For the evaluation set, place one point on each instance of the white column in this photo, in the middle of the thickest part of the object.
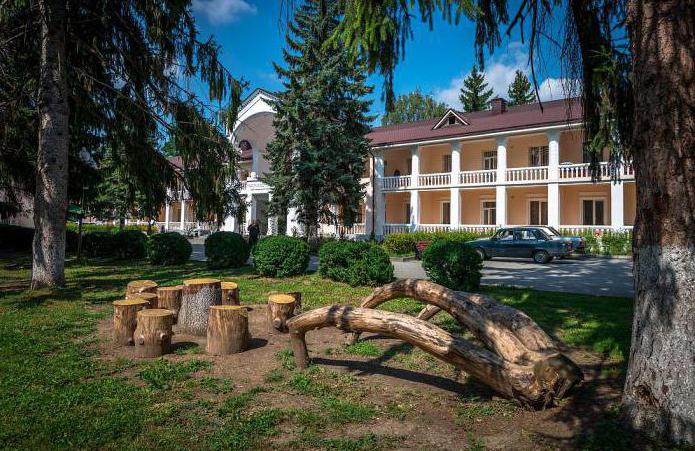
(454, 197)
(414, 209)
(501, 189)
(617, 215)
(553, 156)
(167, 208)
(272, 220)
(368, 196)
(183, 211)
(250, 210)
(415, 165)
(292, 224)
(554, 204)
(379, 200)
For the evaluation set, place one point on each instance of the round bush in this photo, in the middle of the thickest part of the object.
(98, 244)
(129, 244)
(453, 264)
(169, 248)
(356, 263)
(226, 250)
(281, 256)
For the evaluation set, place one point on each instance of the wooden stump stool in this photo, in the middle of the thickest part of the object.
(153, 333)
(125, 320)
(197, 297)
(151, 298)
(228, 330)
(136, 287)
(230, 293)
(170, 298)
(280, 309)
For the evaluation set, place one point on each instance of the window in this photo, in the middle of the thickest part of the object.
(593, 212)
(489, 209)
(452, 120)
(446, 212)
(505, 235)
(396, 173)
(538, 156)
(407, 214)
(538, 212)
(446, 163)
(527, 235)
(490, 160)
(409, 166)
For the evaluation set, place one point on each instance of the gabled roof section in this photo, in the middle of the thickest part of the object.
(258, 92)
(444, 121)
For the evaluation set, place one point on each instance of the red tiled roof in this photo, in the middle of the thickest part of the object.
(518, 117)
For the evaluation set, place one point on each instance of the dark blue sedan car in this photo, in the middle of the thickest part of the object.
(523, 242)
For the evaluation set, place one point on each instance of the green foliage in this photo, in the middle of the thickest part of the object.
(474, 93)
(129, 244)
(90, 227)
(98, 244)
(453, 264)
(226, 250)
(355, 262)
(169, 248)
(16, 238)
(364, 349)
(404, 243)
(319, 150)
(162, 374)
(606, 243)
(281, 256)
(520, 90)
(414, 106)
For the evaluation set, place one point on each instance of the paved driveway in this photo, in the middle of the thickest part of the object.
(597, 276)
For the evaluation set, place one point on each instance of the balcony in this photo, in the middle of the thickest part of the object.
(581, 172)
(517, 176)
(434, 180)
(478, 178)
(394, 183)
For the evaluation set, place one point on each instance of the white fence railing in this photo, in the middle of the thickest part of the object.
(486, 177)
(401, 181)
(596, 229)
(478, 228)
(396, 228)
(433, 227)
(356, 229)
(526, 175)
(438, 179)
(582, 171)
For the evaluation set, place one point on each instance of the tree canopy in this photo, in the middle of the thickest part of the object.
(474, 94)
(520, 90)
(414, 106)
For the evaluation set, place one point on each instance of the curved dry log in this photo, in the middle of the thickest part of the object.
(537, 385)
(505, 330)
(135, 287)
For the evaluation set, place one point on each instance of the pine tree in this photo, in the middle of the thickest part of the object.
(520, 90)
(474, 93)
(319, 151)
(414, 106)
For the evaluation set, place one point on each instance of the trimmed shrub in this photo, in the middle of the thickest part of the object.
(453, 264)
(129, 244)
(98, 244)
(616, 243)
(169, 248)
(355, 262)
(90, 227)
(226, 250)
(281, 256)
(404, 243)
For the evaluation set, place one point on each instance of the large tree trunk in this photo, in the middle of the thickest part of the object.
(51, 196)
(660, 386)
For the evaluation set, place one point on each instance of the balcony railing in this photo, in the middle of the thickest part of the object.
(396, 228)
(401, 181)
(595, 229)
(430, 180)
(433, 227)
(356, 229)
(526, 175)
(486, 177)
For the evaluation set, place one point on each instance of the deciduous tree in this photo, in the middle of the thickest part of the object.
(414, 106)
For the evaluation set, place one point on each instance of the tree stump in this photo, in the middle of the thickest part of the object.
(125, 320)
(136, 287)
(151, 298)
(280, 309)
(197, 297)
(228, 330)
(230, 293)
(153, 333)
(297, 295)
(170, 298)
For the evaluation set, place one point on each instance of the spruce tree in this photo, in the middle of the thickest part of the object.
(474, 93)
(319, 151)
(520, 90)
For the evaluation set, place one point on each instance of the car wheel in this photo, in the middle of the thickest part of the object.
(541, 257)
(481, 254)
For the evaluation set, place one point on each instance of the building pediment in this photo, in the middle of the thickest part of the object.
(451, 118)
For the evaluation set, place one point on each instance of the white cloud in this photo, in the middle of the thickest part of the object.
(223, 11)
(499, 74)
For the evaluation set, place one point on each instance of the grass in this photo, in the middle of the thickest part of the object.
(56, 392)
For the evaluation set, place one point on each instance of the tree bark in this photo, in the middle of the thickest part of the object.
(125, 320)
(170, 298)
(135, 287)
(151, 298)
(153, 332)
(535, 384)
(230, 293)
(228, 330)
(660, 384)
(51, 195)
(198, 295)
(280, 309)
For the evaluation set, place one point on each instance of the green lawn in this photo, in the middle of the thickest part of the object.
(56, 393)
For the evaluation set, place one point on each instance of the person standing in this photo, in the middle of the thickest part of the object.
(254, 231)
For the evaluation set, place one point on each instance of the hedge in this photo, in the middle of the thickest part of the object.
(605, 243)
(89, 227)
(355, 262)
(129, 244)
(226, 250)
(454, 264)
(404, 243)
(168, 248)
(281, 256)
(20, 239)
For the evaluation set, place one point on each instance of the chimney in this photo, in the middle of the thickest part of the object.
(499, 105)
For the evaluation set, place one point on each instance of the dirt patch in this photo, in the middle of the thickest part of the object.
(419, 403)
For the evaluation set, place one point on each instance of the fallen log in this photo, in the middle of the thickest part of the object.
(136, 287)
(535, 384)
(280, 309)
(125, 319)
(230, 293)
(228, 330)
(153, 333)
(170, 298)
(197, 297)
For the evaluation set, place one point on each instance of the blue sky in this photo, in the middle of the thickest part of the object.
(251, 33)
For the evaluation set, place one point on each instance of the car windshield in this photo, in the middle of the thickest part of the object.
(550, 231)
